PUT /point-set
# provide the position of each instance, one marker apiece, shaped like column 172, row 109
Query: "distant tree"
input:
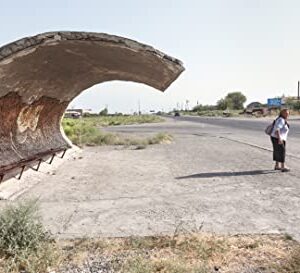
column 221, row 104
column 296, row 106
column 103, row 112
column 291, row 103
column 200, row 108
column 235, row 100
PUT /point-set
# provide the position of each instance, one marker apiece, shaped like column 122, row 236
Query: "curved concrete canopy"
column 40, row 75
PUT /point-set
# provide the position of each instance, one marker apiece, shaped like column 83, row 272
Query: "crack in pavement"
column 68, row 221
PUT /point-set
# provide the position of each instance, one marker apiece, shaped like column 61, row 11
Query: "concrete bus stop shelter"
column 41, row 75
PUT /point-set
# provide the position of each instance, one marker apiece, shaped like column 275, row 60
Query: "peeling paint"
column 29, row 117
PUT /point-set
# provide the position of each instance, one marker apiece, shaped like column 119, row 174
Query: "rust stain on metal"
column 40, row 75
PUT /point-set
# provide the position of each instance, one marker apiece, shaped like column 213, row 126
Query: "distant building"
column 254, row 105
column 77, row 113
column 72, row 114
column 256, row 108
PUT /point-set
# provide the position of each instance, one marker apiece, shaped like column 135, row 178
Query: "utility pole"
column 139, row 105
column 187, row 105
column 298, row 90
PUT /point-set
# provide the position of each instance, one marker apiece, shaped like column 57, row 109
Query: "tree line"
column 232, row 101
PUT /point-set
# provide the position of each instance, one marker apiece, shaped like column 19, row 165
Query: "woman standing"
column 278, row 138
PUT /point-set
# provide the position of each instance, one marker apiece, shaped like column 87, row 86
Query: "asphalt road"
column 241, row 124
column 238, row 126
column 241, row 130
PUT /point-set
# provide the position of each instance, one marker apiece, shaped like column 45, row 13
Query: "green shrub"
column 201, row 108
column 86, row 132
column 21, row 229
column 24, row 243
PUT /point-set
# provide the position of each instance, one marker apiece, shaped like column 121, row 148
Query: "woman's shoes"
column 284, row 170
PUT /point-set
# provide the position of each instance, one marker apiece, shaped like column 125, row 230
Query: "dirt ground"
column 208, row 179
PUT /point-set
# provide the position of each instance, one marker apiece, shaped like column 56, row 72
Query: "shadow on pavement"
column 226, row 174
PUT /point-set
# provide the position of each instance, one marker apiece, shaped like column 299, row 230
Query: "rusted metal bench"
column 22, row 164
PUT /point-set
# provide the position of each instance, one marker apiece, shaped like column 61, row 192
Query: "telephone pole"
column 298, row 90
column 139, row 105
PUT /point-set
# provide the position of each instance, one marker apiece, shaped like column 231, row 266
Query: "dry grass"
column 193, row 253
column 190, row 253
column 104, row 121
column 85, row 132
column 122, row 120
column 25, row 246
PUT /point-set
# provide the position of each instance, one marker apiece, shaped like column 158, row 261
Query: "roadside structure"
column 40, row 75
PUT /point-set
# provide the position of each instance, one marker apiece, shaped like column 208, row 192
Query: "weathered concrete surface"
column 12, row 188
column 201, row 179
column 40, row 75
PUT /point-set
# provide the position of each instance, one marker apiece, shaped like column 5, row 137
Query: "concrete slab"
column 200, row 181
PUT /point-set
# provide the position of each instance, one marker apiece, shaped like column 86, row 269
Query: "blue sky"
column 226, row 45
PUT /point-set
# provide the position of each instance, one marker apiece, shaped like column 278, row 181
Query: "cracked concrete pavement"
column 210, row 177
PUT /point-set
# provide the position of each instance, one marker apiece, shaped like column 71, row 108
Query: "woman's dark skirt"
column 278, row 150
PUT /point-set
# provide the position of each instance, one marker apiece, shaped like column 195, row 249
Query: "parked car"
column 177, row 114
column 72, row 114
